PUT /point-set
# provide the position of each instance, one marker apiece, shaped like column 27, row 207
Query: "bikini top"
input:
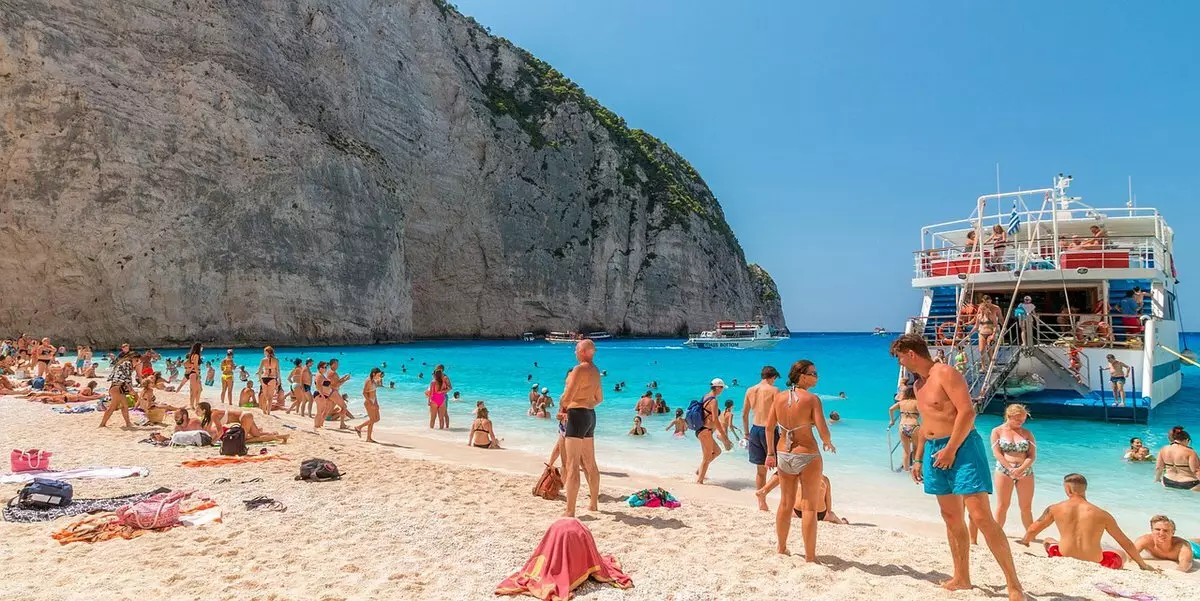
column 1014, row 446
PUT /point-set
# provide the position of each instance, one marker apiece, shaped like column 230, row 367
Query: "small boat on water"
column 572, row 337
column 601, row 335
column 880, row 332
column 753, row 334
column 528, row 336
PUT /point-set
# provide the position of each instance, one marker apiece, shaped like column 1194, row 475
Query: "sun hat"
column 717, row 382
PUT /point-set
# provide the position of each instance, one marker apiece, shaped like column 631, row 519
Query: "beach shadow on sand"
column 653, row 522
column 392, row 445
column 934, row 577
column 614, row 474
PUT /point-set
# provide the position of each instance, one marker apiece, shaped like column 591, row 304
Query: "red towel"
column 566, row 557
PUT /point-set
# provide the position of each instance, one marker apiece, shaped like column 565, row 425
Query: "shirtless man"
column 645, row 405
column 1081, row 525
column 1162, row 543
column 1116, row 375
column 579, row 399
column 758, row 401
column 960, row 474
column 247, row 394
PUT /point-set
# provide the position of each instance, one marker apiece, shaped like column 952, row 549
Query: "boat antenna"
column 1130, row 203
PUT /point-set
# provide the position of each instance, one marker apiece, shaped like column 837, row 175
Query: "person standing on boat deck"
column 579, row 398
column 959, row 474
column 1129, row 309
column 268, row 374
column 987, row 318
column 1178, row 465
column 1116, row 375
column 797, row 458
column 1025, row 314
column 999, row 241
column 709, row 450
column 1015, row 450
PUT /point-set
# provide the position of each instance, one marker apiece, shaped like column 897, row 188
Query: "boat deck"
column 1066, row 404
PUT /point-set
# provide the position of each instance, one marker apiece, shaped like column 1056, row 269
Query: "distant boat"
column 528, row 337
column 602, row 335
column 880, row 332
column 562, row 337
column 753, row 334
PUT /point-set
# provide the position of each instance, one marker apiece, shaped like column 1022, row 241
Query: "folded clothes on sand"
column 77, row 474
column 14, row 513
column 75, row 409
column 124, row 523
column 564, row 560
column 229, row 460
column 653, row 497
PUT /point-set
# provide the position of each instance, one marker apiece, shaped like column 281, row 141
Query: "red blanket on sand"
column 566, row 557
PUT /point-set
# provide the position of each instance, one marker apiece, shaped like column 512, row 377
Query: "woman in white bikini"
column 1015, row 450
column 910, row 421
column 295, row 378
column 796, row 411
column 370, row 403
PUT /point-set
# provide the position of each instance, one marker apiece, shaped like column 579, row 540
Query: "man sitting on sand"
column 1081, row 525
column 246, row 399
column 1162, row 543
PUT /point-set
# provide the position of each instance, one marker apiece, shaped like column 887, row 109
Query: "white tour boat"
column 1071, row 284
column 732, row 334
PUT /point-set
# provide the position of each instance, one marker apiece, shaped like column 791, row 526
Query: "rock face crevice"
column 358, row 171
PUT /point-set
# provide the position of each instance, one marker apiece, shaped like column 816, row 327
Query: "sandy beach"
column 417, row 518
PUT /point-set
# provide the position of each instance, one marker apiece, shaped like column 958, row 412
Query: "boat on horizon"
column 753, row 334
column 572, row 337
column 1083, row 270
column 879, row 332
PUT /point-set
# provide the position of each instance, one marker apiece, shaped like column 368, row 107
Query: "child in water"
column 678, row 423
column 637, row 429
column 727, row 421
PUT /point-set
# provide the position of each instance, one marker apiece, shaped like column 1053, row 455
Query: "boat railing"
column 1116, row 252
column 1043, row 216
column 1094, row 330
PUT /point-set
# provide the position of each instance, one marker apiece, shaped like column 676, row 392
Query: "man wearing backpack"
column 579, row 399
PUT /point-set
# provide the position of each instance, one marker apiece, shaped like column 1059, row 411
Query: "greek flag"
column 1014, row 222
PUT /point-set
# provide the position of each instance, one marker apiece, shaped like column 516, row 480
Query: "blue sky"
column 832, row 132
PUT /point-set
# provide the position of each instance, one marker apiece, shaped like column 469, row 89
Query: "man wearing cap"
column 712, row 423
column 533, row 399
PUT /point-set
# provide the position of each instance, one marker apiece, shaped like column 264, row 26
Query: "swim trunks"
column 1117, row 379
column 1109, row 559
column 581, row 423
column 970, row 474
column 757, row 444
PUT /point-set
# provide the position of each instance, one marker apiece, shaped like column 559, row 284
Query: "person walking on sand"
column 227, row 377
column 727, row 423
column 709, row 450
column 122, row 380
column 579, row 398
column 268, row 373
column 1081, row 526
column 958, row 476
column 370, row 403
column 191, row 375
column 324, row 388
column 757, row 402
column 797, row 458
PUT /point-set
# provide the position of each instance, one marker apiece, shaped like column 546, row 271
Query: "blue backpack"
column 694, row 416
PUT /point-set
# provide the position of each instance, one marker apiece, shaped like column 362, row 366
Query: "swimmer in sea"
column 210, row 374
column 227, row 378
column 1137, row 451
column 834, row 417
column 533, row 399
column 679, row 424
column 637, row 429
column 645, row 405
column 579, row 398
column 910, row 420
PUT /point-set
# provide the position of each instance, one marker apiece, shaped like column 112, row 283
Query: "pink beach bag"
column 160, row 511
column 32, row 460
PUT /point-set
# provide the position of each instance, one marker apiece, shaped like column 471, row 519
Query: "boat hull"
column 712, row 343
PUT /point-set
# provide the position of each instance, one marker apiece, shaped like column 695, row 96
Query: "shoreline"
column 383, row 531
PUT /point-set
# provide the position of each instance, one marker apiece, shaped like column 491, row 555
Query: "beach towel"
column 1108, row 589
column 229, row 460
column 565, row 559
column 14, row 513
column 107, row 525
column 656, row 497
column 75, row 409
column 77, row 474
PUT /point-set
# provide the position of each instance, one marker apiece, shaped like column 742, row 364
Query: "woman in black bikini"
column 324, row 389
column 1178, row 465
column 712, row 423
column 44, row 354
column 268, row 371
column 482, row 436
column 370, row 403
column 191, row 375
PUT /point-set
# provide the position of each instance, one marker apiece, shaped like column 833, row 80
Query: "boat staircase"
column 1057, row 365
column 985, row 384
column 1118, row 288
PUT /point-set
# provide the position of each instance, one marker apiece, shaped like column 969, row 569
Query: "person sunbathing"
column 87, row 394
column 1082, row 525
column 1162, row 543
column 185, row 422
column 214, row 422
column 826, row 514
column 90, row 371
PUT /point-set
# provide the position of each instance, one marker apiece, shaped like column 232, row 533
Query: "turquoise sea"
column 501, row 373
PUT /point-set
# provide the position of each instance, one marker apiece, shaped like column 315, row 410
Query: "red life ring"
column 942, row 338
column 1090, row 322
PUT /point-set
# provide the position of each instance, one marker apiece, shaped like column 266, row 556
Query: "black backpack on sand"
column 233, row 441
column 318, row 470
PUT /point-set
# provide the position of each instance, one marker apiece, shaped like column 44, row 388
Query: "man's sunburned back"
column 933, row 401
column 1080, row 526
column 759, row 397
column 586, row 393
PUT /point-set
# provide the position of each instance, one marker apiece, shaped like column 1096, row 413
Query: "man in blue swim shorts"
column 952, row 462
column 758, row 401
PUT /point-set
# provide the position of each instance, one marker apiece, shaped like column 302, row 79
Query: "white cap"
column 534, row 387
column 545, row 390
column 718, row 382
